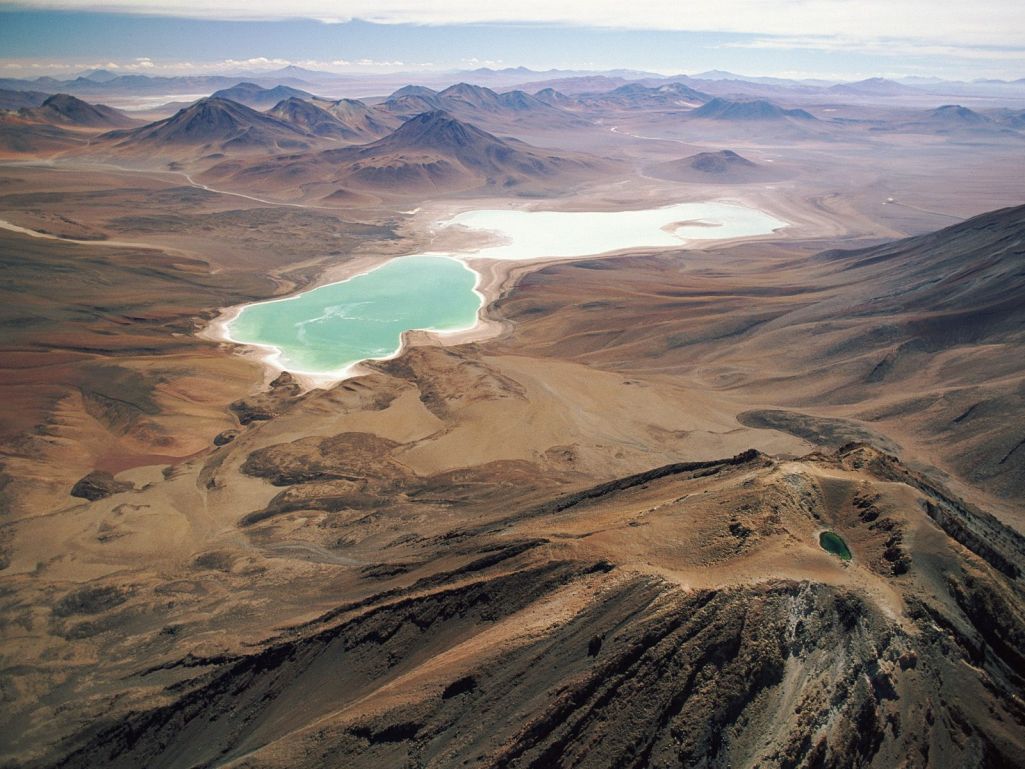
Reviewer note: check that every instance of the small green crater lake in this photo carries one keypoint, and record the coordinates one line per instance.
(833, 543)
(327, 329)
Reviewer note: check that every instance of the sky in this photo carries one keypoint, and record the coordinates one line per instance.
(832, 39)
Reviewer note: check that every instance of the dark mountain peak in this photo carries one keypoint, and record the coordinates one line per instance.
(438, 130)
(755, 109)
(661, 96)
(413, 90)
(412, 100)
(99, 75)
(341, 119)
(718, 162)
(957, 113)
(876, 86)
(65, 109)
(552, 97)
(467, 90)
(215, 121)
(681, 89)
(475, 96)
(258, 97)
(294, 109)
(631, 88)
(65, 101)
(341, 107)
(521, 101)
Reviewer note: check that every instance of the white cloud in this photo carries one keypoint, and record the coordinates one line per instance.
(35, 67)
(884, 47)
(981, 22)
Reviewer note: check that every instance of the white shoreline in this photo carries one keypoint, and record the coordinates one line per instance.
(219, 328)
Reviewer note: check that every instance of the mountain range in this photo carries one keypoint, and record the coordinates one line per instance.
(432, 151)
(210, 125)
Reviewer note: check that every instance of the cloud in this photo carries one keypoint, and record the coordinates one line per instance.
(33, 67)
(983, 22)
(883, 47)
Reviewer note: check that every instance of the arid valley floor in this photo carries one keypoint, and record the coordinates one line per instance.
(586, 533)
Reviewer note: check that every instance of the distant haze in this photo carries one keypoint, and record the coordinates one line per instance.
(834, 39)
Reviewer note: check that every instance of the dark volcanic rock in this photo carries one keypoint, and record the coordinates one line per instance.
(718, 162)
(98, 485)
(283, 392)
(225, 437)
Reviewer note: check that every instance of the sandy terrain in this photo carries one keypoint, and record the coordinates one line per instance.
(526, 542)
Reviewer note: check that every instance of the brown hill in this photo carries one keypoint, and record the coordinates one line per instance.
(412, 100)
(722, 167)
(345, 120)
(638, 96)
(258, 97)
(956, 120)
(480, 105)
(755, 110)
(64, 110)
(15, 100)
(554, 98)
(360, 121)
(920, 339)
(612, 625)
(432, 151)
(210, 125)
(20, 136)
(309, 118)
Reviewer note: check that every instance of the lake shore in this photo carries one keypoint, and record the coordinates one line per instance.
(495, 276)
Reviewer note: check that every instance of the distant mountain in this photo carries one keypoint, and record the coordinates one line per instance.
(478, 104)
(955, 114)
(718, 74)
(19, 136)
(429, 153)
(310, 118)
(718, 162)
(293, 72)
(957, 120)
(463, 97)
(722, 167)
(98, 75)
(554, 98)
(1011, 118)
(638, 96)
(123, 85)
(345, 119)
(757, 109)
(65, 110)
(521, 101)
(360, 121)
(212, 125)
(14, 100)
(412, 100)
(440, 131)
(875, 86)
(257, 97)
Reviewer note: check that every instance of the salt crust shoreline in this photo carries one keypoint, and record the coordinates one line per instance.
(494, 278)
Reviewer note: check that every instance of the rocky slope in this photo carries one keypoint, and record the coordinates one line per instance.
(616, 626)
(211, 125)
(432, 152)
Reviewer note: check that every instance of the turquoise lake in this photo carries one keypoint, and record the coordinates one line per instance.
(327, 329)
